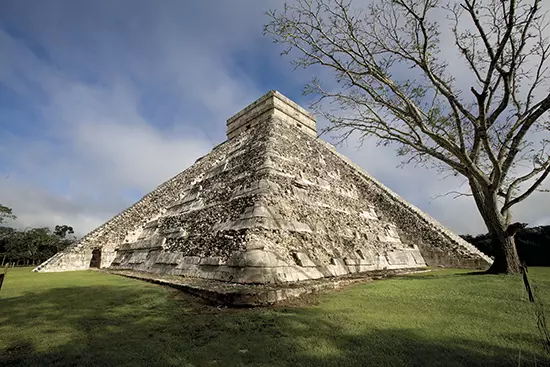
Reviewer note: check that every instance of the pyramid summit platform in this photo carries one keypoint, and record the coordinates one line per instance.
(272, 205)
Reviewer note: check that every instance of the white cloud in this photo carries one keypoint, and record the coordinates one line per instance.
(95, 150)
(98, 73)
(36, 207)
(421, 187)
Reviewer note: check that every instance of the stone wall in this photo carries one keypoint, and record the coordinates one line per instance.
(272, 104)
(112, 234)
(272, 204)
(324, 193)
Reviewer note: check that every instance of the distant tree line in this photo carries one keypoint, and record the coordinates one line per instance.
(533, 245)
(31, 246)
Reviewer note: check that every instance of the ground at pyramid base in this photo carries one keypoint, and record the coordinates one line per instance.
(273, 205)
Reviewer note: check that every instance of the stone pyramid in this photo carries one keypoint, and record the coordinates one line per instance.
(271, 204)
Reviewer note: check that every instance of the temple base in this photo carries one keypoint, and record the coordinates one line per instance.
(250, 295)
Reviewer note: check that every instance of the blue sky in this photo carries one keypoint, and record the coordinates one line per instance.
(101, 101)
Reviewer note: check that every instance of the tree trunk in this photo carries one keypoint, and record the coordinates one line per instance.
(506, 257)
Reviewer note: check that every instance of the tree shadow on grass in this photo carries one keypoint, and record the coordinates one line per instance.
(124, 326)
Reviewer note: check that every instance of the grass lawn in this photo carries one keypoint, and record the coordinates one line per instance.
(437, 319)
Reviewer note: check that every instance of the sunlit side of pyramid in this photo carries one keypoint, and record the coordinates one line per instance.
(272, 204)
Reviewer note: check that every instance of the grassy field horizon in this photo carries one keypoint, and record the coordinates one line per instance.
(441, 318)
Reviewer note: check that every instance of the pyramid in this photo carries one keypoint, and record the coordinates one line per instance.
(273, 204)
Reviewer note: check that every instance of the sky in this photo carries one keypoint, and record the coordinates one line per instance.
(102, 101)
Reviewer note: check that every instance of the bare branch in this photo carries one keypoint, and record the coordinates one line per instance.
(456, 195)
(528, 192)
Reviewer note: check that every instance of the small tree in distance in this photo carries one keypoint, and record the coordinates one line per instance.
(6, 213)
(63, 230)
(394, 84)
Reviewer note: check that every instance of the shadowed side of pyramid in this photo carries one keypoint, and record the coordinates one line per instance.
(273, 204)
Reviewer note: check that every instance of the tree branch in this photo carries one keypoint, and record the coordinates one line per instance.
(528, 192)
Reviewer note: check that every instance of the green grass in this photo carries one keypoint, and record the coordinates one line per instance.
(435, 319)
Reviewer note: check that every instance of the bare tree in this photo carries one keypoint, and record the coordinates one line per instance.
(395, 82)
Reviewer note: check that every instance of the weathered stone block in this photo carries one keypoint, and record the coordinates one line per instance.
(335, 261)
(399, 258)
(369, 213)
(138, 257)
(192, 260)
(338, 269)
(417, 256)
(357, 261)
(168, 258)
(300, 227)
(302, 259)
(149, 243)
(255, 258)
(214, 260)
(254, 275)
(151, 224)
(177, 232)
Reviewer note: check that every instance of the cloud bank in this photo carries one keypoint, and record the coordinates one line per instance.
(102, 101)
